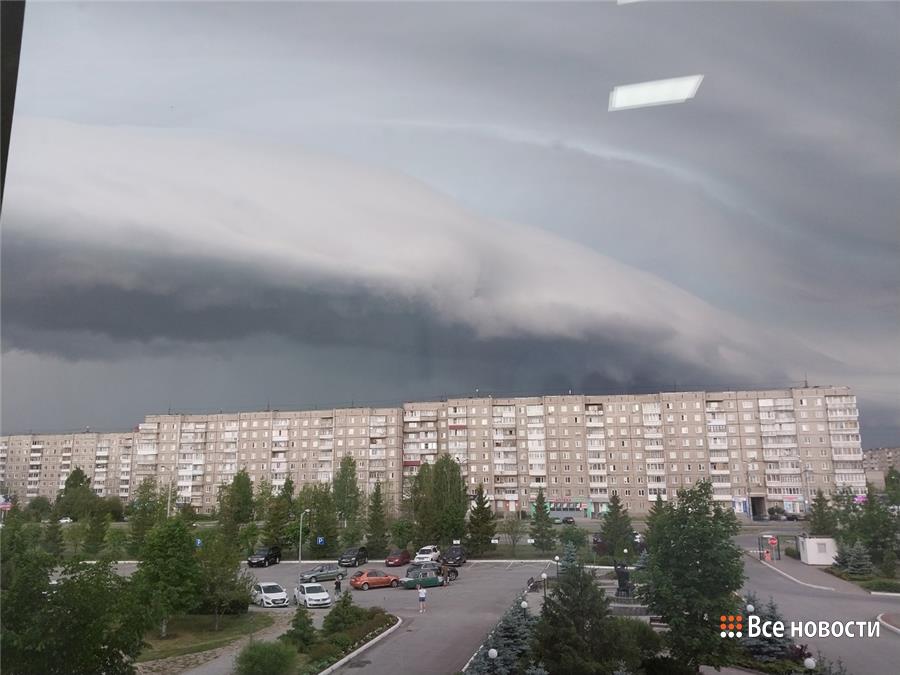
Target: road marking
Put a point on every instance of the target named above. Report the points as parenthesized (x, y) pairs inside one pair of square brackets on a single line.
[(511, 564), (886, 624), (794, 579)]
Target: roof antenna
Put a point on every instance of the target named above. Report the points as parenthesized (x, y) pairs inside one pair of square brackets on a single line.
[(805, 381)]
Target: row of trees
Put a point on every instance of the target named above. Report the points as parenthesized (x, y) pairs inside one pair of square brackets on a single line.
[(66, 616)]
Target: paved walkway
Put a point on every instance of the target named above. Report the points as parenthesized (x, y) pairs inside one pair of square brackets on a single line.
[(814, 575)]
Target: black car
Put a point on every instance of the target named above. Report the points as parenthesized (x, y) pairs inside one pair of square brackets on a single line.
[(455, 555), (568, 520), (354, 557), (435, 566), (263, 557)]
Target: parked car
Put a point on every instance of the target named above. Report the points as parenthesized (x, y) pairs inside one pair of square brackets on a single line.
[(366, 579), (430, 565), (354, 557), (321, 573), (65, 521), (267, 594), (455, 555), (397, 558), (265, 556), (568, 520), (428, 553), (557, 521), (424, 578), (311, 595)]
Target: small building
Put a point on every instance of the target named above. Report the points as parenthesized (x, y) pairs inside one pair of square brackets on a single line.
[(817, 550)]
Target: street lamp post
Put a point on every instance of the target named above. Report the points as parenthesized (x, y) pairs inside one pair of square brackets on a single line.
[(492, 656), (556, 560), (300, 538), (544, 579), (524, 606)]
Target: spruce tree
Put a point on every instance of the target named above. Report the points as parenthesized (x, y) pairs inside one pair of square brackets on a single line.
[(764, 648), (541, 526), (617, 531), (822, 517), (302, 634), (376, 525), (53, 540), (481, 524), (569, 557), (275, 528), (98, 524), (859, 564)]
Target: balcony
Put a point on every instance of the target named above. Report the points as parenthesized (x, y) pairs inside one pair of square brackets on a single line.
[(536, 485), (598, 484)]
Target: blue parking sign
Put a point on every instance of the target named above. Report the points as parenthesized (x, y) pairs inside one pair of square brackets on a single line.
[(199, 542), (320, 541)]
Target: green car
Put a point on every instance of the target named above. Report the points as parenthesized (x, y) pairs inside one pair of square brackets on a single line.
[(322, 573), (423, 578)]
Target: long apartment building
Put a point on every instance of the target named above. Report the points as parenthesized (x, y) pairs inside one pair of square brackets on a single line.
[(759, 449)]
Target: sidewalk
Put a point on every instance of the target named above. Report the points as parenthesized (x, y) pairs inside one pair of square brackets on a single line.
[(811, 575)]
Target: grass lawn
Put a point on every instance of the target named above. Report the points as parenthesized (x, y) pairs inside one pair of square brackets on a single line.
[(194, 633)]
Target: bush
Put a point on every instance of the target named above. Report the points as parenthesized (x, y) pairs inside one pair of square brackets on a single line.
[(882, 585), (341, 640), (344, 615), (236, 606), (791, 552), (889, 565), (323, 652), (266, 658), (663, 665)]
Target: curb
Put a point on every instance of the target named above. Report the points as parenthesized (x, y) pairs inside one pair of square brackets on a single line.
[(890, 595), (354, 653), (785, 574), (886, 624)]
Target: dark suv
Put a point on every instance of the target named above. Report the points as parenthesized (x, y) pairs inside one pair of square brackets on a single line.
[(455, 555), (263, 557), (354, 557)]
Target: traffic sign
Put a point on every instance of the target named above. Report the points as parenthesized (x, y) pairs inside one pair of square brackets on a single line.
[(495, 541), (530, 541), (5, 506), (456, 541), (198, 541), (773, 541), (320, 541)]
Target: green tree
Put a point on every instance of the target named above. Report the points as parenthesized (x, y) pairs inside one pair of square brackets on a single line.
[(889, 565), (77, 500), (892, 486), (114, 507), (859, 563), (541, 526), (514, 529), (275, 529), (481, 524), (145, 511), (693, 572), (287, 491), (617, 531), (421, 505), (866, 519), (402, 532), (53, 540), (115, 544), (344, 615), (236, 501), (574, 535), (762, 647), (302, 634), (569, 556), (98, 525), (376, 523), (573, 635), (38, 509), (75, 535), (657, 512), (511, 638), (247, 537), (347, 496), (322, 523), (263, 500), (449, 498), (88, 622), (168, 576), (224, 584), (822, 518)]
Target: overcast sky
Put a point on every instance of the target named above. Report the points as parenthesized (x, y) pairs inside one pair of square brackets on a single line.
[(219, 206)]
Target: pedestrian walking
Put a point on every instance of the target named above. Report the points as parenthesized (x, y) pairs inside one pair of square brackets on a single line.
[(423, 594), (445, 572), (337, 588)]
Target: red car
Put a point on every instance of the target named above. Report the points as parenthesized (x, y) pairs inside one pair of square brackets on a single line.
[(366, 579), (397, 558)]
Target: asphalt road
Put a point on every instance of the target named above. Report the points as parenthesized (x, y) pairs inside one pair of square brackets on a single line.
[(870, 656)]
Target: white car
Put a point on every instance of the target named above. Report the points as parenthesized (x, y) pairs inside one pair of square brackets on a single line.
[(267, 594), (428, 554), (311, 595), (65, 521)]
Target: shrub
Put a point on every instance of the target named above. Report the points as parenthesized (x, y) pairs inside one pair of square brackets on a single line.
[(323, 651), (236, 606), (664, 665), (341, 640), (791, 552), (266, 658), (882, 585), (344, 615)]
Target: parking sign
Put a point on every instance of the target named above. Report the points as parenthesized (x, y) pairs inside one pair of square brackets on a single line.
[(320, 541), (198, 542)]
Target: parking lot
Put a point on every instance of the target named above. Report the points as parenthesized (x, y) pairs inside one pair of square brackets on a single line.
[(442, 639)]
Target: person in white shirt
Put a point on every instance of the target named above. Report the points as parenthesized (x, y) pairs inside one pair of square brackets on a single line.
[(423, 594)]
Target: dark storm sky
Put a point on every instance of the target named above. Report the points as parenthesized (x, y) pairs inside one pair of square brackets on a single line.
[(215, 206)]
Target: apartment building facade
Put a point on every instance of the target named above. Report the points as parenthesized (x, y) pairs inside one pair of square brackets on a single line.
[(758, 448), (881, 459)]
